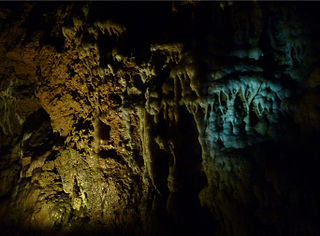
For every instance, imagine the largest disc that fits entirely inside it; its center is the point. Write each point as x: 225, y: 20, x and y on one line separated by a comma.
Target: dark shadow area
x: 183, y: 205
x: 103, y: 130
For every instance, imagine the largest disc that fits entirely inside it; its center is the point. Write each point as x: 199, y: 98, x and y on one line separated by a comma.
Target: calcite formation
x: 159, y: 118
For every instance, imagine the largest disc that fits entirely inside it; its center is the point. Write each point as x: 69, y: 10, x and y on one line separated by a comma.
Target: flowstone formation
x: 159, y: 118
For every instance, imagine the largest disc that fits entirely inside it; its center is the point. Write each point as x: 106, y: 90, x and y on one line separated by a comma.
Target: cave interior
x: 160, y: 118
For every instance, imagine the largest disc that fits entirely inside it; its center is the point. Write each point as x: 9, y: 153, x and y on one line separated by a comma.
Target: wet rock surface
x: 159, y: 118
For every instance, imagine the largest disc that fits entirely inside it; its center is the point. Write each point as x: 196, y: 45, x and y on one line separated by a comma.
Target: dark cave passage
x: 184, y: 204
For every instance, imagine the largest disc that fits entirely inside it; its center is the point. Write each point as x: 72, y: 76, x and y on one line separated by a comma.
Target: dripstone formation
x: 159, y: 118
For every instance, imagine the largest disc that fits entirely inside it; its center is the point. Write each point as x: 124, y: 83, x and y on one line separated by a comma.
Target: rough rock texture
x: 159, y: 118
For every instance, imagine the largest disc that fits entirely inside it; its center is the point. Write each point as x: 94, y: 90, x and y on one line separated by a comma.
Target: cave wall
x: 159, y: 118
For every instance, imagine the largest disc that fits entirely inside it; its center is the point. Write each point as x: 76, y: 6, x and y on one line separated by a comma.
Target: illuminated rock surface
x: 159, y: 118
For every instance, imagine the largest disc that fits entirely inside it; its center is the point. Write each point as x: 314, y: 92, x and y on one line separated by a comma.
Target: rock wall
x: 159, y: 118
